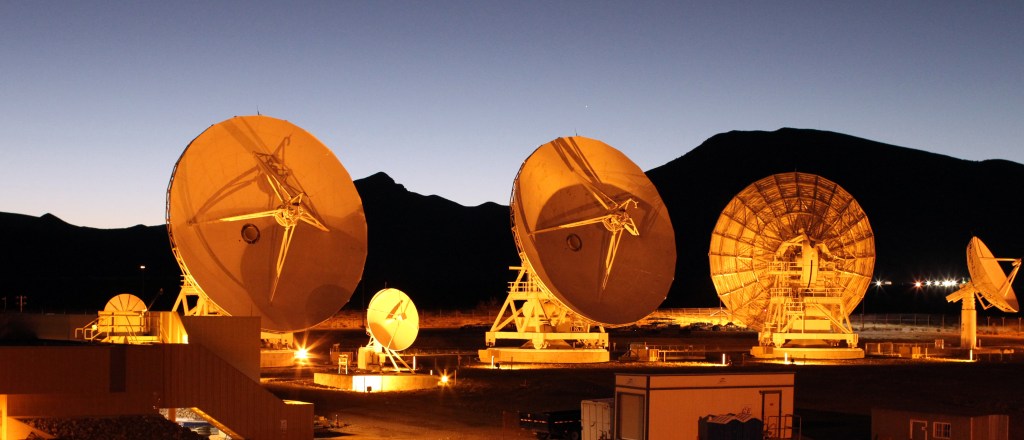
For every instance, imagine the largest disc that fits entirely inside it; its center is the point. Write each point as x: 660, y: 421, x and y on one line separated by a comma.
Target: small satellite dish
x: 392, y: 319
x: 790, y: 248
x: 125, y: 302
x: 594, y: 230
x: 267, y: 222
x: 988, y: 279
x: 989, y: 284
x: 392, y: 323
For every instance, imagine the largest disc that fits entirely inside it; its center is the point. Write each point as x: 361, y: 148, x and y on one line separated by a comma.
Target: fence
x: 890, y: 321
x: 353, y: 319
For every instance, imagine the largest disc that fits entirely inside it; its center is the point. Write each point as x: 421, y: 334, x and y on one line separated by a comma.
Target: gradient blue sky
x: 99, y: 98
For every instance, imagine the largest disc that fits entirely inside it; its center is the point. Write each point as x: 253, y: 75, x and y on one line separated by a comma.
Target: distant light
x: 142, y: 266
x: 302, y: 354
x: 878, y: 283
x: 444, y: 379
x: 917, y: 284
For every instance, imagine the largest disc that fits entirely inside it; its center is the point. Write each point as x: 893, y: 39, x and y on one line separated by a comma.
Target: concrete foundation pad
x: 375, y: 383
x: 544, y: 356
x: 276, y: 358
x: 799, y: 353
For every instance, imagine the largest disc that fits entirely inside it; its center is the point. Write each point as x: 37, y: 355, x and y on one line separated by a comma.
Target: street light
x: 142, y: 274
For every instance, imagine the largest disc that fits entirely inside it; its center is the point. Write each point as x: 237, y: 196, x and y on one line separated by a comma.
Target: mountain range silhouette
x: 923, y: 209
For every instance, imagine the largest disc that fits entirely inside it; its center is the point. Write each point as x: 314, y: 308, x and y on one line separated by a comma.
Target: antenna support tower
x: 988, y: 287
x: 191, y: 293
x: 540, y: 319
x: 375, y: 348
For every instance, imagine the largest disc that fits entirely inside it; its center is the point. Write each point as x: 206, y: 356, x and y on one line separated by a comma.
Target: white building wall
x: 674, y: 403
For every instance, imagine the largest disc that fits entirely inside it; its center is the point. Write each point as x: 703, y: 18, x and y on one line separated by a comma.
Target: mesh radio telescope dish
x: 988, y: 284
x: 392, y: 319
x: 125, y: 302
x: 788, y: 248
x: 594, y: 230
x: 267, y: 222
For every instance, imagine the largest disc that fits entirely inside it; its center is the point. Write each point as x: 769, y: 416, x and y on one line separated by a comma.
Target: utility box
x: 730, y: 427
x: 596, y: 418
x: 670, y: 406
x: 369, y: 359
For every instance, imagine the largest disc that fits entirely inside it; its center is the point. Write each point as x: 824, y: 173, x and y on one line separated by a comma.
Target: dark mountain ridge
x: 923, y: 209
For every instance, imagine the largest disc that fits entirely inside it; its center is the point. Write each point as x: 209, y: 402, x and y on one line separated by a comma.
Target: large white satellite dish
x: 989, y: 285
x: 265, y: 221
x: 596, y: 244
x: 393, y: 324
x: 791, y: 256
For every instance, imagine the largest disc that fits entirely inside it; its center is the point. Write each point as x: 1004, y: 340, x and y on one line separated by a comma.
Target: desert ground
x: 833, y: 399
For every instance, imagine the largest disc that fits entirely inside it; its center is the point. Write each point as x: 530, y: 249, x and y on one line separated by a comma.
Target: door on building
x: 771, y: 414
x: 918, y: 429
x: 630, y: 420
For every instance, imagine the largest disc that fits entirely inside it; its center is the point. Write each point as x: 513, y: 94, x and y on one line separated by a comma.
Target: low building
x: 892, y: 424
x: 216, y: 373
x: 671, y: 406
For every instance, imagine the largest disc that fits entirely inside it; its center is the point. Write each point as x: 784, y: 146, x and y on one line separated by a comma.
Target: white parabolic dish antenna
x: 594, y: 229
x: 988, y: 279
x: 992, y: 287
x: 392, y: 319
x: 267, y: 221
x: 789, y: 246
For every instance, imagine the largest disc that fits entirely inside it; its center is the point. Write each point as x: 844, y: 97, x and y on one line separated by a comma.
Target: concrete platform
x: 544, y: 356
x: 800, y: 353
x: 376, y: 383
x: 276, y: 358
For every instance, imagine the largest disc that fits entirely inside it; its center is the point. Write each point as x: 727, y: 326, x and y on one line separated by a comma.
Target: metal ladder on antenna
x: 795, y: 303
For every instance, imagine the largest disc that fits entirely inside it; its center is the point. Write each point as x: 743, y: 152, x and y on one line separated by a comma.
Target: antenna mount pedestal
x: 552, y: 332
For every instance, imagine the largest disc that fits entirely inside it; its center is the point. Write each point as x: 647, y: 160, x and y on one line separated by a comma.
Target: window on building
x: 941, y: 429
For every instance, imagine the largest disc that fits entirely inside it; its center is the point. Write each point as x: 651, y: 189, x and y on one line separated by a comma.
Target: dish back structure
x: 596, y: 244
x: 264, y: 221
